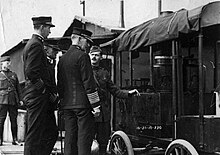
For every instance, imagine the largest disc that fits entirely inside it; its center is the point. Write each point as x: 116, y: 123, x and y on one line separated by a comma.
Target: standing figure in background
x: 38, y: 92
x: 105, y: 86
x: 9, y: 98
x: 51, y: 51
x: 78, y: 94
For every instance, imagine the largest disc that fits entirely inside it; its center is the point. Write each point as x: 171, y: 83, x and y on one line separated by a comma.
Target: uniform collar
x: 5, y: 70
x: 77, y: 46
x: 40, y: 37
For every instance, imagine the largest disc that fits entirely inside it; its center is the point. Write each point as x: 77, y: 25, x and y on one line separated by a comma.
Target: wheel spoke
x: 114, y: 151
x: 180, y: 147
x: 176, y: 151
x: 116, y: 147
x: 120, y: 144
x: 182, y: 151
x: 117, y: 144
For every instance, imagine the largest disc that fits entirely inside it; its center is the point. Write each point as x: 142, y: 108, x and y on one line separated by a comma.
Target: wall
x: 17, y: 64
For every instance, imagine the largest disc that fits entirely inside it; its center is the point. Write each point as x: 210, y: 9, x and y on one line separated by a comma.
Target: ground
x: 8, y: 148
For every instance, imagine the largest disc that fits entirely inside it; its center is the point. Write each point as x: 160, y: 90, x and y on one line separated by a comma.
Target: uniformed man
x: 42, y: 130
x: 105, y: 86
x: 78, y: 92
x: 9, y: 98
x: 51, y: 51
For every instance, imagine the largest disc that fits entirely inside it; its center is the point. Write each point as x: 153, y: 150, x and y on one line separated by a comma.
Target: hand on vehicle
x: 96, y: 111
x: 134, y: 91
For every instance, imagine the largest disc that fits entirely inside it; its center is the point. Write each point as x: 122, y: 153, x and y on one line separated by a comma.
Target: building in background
x: 15, y: 16
x: 101, y: 34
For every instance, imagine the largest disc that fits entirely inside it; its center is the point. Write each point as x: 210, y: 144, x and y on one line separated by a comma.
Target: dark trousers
x: 79, y: 127
x: 42, y: 130
x: 13, y: 113
x: 102, y: 135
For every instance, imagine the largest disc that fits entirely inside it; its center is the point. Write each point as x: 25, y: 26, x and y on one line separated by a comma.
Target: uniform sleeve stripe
x: 93, y: 97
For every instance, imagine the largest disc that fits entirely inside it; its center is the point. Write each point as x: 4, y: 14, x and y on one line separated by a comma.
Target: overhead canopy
x: 167, y: 27
x: 204, y: 16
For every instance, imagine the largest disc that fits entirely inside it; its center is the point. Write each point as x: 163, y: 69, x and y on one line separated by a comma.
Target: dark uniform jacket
x: 41, y: 125
x: 9, y: 90
x: 35, y: 65
x: 51, y: 69
x: 106, y: 86
x: 76, y: 85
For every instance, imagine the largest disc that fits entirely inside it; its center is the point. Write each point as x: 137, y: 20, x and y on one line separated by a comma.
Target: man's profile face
x: 45, y: 30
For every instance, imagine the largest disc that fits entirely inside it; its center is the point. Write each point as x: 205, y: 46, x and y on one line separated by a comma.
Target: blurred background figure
x: 52, y: 51
x: 9, y: 98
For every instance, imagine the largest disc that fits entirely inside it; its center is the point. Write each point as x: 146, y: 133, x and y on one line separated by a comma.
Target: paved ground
x: 8, y: 148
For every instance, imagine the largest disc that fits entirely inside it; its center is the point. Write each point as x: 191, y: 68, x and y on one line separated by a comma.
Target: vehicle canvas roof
x: 167, y: 27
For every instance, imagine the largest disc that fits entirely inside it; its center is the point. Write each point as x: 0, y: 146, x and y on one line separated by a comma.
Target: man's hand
x: 21, y: 103
x: 134, y: 91
x: 96, y: 111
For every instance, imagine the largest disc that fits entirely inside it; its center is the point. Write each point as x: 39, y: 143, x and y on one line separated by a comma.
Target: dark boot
x: 1, y: 135
x: 15, y: 142
x: 1, y: 141
x: 14, y: 136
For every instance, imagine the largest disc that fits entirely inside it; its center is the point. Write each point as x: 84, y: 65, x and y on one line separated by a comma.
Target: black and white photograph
x: 109, y: 77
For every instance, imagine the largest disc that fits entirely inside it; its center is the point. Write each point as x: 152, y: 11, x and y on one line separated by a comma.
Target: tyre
x: 120, y: 144
x: 180, y: 147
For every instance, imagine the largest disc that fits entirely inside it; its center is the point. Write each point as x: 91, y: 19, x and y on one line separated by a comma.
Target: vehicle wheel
x: 180, y: 147
x: 120, y: 144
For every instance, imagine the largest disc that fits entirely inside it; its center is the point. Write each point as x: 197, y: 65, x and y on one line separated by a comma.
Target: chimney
x: 122, y: 23
x: 159, y: 7
x: 160, y: 12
